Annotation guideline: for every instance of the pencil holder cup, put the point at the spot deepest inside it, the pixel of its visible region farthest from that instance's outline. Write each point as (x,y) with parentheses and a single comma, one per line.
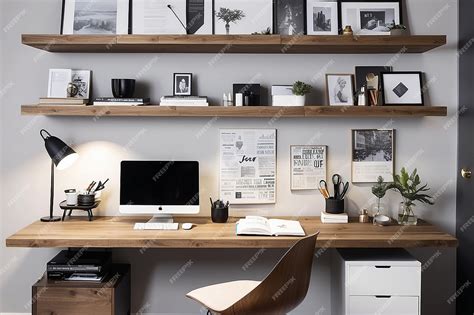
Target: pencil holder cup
(334,206)
(86,199)
(219,215)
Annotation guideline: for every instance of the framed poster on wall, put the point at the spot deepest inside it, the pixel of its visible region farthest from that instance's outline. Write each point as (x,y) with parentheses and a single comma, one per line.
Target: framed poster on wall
(308,166)
(248,166)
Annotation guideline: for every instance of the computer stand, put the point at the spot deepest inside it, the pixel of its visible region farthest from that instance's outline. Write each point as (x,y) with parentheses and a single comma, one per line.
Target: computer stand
(161,218)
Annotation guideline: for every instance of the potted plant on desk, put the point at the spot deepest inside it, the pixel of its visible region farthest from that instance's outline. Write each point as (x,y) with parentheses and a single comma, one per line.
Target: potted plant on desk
(379,190)
(300,89)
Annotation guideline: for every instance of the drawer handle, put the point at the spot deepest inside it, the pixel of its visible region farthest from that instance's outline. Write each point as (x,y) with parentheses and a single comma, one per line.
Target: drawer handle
(383,296)
(383,267)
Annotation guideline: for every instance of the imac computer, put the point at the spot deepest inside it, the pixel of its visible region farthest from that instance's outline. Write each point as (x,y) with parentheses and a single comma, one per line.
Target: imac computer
(160,188)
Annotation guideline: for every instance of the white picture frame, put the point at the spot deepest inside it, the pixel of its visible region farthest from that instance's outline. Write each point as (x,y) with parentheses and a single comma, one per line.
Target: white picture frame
(59,80)
(402,88)
(340,89)
(111,17)
(308,166)
(258,16)
(318,11)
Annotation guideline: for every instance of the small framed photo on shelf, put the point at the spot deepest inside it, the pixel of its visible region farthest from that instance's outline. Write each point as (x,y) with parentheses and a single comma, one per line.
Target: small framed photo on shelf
(308,166)
(182,84)
(402,88)
(98,17)
(372,155)
(290,17)
(370,17)
(322,18)
(240,17)
(64,83)
(340,89)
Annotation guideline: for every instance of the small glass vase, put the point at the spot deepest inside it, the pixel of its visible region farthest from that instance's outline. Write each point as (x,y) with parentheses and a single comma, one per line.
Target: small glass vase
(377,208)
(406,215)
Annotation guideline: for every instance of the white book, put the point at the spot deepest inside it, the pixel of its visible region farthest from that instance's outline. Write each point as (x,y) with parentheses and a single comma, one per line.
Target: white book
(117,104)
(334,218)
(255,225)
(182,104)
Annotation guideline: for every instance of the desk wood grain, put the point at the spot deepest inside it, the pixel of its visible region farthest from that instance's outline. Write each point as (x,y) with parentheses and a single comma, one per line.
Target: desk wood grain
(118,232)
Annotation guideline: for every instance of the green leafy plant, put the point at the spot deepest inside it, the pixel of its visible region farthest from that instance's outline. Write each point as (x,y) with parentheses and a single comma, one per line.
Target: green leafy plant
(398,27)
(229,16)
(301,88)
(380,189)
(267,31)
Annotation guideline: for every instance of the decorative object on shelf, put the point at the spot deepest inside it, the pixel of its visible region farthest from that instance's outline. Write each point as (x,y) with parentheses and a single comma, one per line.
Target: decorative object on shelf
(340,89)
(62,156)
(372,154)
(71,197)
(382,220)
(250,92)
(219,211)
(239,99)
(267,31)
(347,31)
(379,190)
(410,188)
(362,97)
(308,166)
(61,82)
(364,216)
(88,208)
(123,88)
(290,18)
(322,18)
(242,16)
(282,95)
(398,30)
(72,90)
(248,166)
(182,84)
(95,17)
(370,17)
(402,88)
(369,77)
(300,89)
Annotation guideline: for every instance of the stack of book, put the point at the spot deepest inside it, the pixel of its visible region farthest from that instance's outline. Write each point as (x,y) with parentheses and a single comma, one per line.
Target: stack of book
(184,101)
(62,101)
(112,101)
(334,218)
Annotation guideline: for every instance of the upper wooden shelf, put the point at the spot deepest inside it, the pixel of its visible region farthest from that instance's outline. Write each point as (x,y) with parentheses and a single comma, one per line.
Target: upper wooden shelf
(267,44)
(245,112)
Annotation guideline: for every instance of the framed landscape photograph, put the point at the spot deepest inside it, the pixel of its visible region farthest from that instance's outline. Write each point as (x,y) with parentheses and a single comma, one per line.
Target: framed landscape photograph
(182,84)
(340,89)
(290,17)
(402,88)
(372,155)
(322,18)
(370,17)
(106,17)
(240,17)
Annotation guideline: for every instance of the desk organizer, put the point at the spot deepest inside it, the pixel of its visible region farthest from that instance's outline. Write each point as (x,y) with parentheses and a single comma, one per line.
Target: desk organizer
(334,206)
(65,207)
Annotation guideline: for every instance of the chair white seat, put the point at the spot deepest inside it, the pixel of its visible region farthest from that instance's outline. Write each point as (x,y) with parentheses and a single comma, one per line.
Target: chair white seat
(219,297)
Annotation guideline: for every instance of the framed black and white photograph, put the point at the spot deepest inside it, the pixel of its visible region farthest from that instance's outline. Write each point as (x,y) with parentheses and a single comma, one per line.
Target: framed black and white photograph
(60,80)
(172,17)
(402,88)
(239,17)
(372,155)
(290,17)
(308,166)
(182,84)
(322,18)
(340,89)
(95,17)
(370,18)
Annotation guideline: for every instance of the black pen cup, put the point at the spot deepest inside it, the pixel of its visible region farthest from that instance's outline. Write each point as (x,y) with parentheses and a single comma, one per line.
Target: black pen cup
(219,215)
(334,206)
(86,199)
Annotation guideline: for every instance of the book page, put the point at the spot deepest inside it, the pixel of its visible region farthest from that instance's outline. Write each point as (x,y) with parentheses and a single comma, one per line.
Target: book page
(253,225)
(286,227)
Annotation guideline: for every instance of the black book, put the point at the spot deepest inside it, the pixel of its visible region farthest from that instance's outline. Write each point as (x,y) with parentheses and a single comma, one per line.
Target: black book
(122,100)
(67,262)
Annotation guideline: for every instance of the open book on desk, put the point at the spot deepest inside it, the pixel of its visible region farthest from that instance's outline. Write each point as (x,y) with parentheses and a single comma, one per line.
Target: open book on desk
(254,225)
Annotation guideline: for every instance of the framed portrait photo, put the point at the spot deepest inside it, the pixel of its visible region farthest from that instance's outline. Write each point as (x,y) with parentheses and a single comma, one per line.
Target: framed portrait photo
(322,18)
(240,17)
(402,88)
(290,17)
(370,17)
(182,84)
(372,155)
(86,17)
(340,89)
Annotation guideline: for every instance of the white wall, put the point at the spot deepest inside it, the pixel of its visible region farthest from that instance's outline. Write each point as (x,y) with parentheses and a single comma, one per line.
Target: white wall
(428,144)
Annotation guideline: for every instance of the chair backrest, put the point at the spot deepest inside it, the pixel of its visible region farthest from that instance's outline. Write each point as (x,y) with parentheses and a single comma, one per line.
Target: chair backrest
(286,285)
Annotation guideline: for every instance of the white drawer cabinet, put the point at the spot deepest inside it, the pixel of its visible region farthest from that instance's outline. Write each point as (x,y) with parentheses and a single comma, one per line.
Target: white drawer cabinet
(375,281)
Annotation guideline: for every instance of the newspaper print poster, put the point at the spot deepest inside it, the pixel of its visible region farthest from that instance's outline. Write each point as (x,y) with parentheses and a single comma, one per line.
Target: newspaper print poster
(248,166)
(308,166)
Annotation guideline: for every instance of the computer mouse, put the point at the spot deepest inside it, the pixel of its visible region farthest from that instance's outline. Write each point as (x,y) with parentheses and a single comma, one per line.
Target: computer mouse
(187,226)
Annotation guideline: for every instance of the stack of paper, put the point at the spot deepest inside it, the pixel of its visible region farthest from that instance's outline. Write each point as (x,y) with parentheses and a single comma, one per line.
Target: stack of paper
(334,218)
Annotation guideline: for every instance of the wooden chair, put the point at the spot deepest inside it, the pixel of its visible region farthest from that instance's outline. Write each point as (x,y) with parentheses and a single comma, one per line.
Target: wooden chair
(280,292)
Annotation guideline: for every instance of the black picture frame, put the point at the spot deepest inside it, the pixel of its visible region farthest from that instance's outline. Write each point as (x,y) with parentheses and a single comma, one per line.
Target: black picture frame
(189,92)
(419,73)
(339,9)
(277,12)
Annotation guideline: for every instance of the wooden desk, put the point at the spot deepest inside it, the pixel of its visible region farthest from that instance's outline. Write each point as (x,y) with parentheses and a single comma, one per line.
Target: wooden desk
(118,232)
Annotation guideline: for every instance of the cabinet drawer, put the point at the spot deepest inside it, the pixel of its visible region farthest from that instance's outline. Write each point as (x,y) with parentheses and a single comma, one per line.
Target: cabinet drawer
(395,305)
(384,280)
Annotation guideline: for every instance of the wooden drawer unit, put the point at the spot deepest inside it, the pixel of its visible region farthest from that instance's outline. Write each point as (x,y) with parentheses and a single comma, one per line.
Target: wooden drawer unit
(375,281)
(112,296)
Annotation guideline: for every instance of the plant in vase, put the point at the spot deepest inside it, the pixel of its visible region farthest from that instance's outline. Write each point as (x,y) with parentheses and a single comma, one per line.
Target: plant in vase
(300,89)
(379,190)
(229,16)
(410,188)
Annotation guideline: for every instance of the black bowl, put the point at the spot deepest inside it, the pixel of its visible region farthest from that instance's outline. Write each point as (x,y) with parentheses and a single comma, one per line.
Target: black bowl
(123,88)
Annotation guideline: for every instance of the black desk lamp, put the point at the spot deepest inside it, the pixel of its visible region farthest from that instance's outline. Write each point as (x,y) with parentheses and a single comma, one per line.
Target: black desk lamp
(62,156)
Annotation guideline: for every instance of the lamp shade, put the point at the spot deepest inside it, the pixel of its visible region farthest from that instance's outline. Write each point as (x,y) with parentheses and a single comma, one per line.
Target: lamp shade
(62,155)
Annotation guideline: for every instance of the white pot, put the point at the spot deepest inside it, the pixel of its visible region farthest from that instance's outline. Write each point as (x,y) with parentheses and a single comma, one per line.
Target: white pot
(288,100)
(300,100)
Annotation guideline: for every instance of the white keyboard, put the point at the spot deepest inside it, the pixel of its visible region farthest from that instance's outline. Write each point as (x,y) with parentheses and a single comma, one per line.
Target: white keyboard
(156,226)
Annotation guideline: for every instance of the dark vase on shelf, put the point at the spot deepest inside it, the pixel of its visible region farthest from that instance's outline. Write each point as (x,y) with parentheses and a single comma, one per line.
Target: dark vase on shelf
(123,88)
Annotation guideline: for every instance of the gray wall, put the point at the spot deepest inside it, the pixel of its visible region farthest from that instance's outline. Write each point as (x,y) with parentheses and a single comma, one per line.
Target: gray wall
(428,144)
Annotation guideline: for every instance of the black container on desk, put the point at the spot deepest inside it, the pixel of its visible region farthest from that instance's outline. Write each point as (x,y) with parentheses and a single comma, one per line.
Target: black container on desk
(334,206)
(219,215)
(86,199)
(123,88)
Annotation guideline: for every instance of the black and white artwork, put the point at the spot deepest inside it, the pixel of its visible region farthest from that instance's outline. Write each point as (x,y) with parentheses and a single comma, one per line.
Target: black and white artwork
(369,76)
(402,88)
(81,79)
(290,17)
(182,85)
(372,155)
(322,18)
(340,89)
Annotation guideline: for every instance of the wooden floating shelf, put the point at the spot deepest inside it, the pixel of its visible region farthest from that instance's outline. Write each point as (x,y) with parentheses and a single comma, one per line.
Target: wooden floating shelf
(244,112)
(266,44)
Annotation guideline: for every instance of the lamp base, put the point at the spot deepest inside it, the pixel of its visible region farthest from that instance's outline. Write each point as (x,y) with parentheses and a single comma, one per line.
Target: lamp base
(50,219)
